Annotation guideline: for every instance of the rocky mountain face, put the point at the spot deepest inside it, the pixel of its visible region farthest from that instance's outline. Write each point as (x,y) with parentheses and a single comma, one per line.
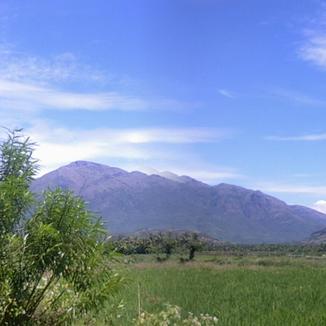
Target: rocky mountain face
(133,201)
(318,237)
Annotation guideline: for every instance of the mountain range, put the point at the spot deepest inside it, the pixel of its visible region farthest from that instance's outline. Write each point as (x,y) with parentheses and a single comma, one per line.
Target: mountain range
(134,201)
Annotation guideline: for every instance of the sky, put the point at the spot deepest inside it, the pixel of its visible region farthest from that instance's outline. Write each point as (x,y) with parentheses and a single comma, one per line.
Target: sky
(222,90)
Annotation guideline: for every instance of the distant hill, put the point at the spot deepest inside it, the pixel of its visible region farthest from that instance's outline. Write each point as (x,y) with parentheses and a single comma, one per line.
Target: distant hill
(133,201)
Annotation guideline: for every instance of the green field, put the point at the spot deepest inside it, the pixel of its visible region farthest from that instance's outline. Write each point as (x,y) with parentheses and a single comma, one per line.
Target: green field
(238,290)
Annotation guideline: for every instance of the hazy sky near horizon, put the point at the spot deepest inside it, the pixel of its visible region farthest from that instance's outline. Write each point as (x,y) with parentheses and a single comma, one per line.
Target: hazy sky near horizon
(222,90)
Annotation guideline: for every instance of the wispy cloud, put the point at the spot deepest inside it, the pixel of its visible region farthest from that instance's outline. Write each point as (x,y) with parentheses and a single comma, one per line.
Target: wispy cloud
(292,189)
(58,145)
(210,176)
(320,205)
(314,48)
(226,93)
(27,96)
(307,138)
(133,136)
(33,83)
(298,98)
(30,86)
(19,66)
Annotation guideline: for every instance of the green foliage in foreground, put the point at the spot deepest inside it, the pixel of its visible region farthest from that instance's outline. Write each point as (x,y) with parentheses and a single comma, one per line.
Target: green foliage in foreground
(52,264)
(239,291)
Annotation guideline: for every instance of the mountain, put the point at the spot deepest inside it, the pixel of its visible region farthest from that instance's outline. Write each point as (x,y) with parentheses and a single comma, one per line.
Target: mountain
(318,237)
(133,201)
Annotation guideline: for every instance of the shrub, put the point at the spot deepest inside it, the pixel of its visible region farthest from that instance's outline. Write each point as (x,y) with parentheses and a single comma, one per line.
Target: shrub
(53,269)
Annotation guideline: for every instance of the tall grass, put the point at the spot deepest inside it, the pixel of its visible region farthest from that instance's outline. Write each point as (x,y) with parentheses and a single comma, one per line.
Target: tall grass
(260,294)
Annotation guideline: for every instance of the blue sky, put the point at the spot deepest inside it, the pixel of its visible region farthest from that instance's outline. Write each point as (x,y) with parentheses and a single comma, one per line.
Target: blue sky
(222,90)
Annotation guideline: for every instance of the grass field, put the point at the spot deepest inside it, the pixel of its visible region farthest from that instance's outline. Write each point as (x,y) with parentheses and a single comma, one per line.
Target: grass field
(238,290)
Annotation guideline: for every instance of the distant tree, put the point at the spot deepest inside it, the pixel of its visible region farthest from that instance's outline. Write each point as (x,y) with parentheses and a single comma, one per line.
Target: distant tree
(191,242)
(168,243)
(162,243)
(130,245)
(52,264)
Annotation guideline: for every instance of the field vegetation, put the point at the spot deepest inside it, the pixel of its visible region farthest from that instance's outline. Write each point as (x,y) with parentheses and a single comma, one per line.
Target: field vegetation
(239,289)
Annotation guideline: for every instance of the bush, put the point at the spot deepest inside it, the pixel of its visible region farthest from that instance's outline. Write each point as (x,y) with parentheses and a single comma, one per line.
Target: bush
(53,269)
(172,316)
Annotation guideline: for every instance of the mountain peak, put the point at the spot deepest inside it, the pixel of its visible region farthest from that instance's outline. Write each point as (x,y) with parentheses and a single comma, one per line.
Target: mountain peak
(86,164)
(92,166)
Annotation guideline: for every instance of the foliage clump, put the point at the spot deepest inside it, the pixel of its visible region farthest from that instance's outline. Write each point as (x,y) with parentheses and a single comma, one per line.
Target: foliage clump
(53,267)
(172,316)
(162,244)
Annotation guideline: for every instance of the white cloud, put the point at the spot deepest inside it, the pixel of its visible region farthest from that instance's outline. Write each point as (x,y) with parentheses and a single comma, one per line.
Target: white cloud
(58,146)
(19,66)
(314,49)
(32,83)
(26,96)
(210,176)
(168,135)
(29,87)
(292,188)
(298,98)
(53,155)
(309,138)
(226,93)
(131,136)
(320,206)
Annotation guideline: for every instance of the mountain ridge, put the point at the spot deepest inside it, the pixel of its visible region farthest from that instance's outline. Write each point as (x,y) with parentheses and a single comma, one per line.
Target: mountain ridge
(133,201)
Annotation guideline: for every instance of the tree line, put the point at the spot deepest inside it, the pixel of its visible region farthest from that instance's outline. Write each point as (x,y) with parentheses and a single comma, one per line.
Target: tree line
(161,244)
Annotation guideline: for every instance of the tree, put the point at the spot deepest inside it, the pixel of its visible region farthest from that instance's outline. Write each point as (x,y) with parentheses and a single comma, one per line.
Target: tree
(191,242)
(162,243)
(53,269)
